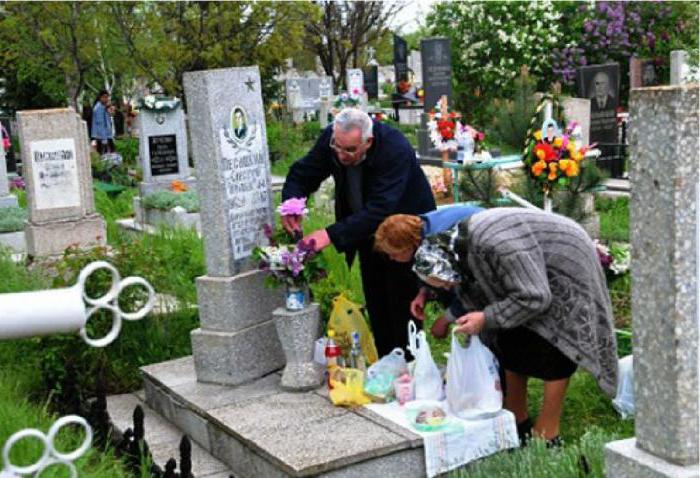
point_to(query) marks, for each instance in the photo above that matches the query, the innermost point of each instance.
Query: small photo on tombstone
(239, 123)
(600, 83)
(650, 76)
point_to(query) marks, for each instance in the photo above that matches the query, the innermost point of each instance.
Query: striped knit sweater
(542, 271)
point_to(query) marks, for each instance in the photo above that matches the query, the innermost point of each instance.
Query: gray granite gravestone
(664, 213)
(163, 149)
(237, 340)
(56, 158)
(679, 67)
(304, 95)
(6, 199)
(437, 70)
(415, 64)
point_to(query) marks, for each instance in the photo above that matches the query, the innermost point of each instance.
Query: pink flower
(293, 207)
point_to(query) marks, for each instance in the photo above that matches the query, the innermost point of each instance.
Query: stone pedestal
(298, 331)
(664, 218)
(53, 237)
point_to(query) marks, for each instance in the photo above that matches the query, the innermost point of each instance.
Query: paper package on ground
(346, 318)
(428, 380)
(473, 384)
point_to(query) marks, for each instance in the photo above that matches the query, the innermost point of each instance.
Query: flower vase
(296, 298)
(298, 331)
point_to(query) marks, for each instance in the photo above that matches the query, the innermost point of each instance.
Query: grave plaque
(355, 82)
(372, 82)
(437, 70)
(400, 59)
(163, 152)
(55, 173)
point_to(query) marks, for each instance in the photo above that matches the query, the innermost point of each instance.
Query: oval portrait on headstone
(239, 123)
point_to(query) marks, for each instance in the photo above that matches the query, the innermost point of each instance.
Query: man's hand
(418, 304)
(440, 328)
(471, 323)
(320, 239)
(291, 224)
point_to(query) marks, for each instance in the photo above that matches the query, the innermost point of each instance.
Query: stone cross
(664, 222)
(237, 340)
(56, 158)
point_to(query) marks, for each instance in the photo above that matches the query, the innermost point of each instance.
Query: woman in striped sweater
(535, 292)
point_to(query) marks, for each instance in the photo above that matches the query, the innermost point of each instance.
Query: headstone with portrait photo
(601, 84)
(437, 71)
(60, 202)
(234, 186)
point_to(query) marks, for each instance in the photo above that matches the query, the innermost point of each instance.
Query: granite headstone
(665, 234)
(56, 158)
(371, 74)
(234, 187)
(415, 64)
(163, 149)
(437, 70)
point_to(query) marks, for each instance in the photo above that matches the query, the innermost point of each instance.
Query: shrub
(12, 219)
(129, 150)
(166, 200)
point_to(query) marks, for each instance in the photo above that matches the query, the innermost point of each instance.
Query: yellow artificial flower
(571, 147)
(558, 142)
(538, 135)
(552, 171)
(540, 154)
(564, 164)
(572, 170)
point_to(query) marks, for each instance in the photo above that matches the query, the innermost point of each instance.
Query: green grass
(17, 413)
(614, 218)
(12, 219)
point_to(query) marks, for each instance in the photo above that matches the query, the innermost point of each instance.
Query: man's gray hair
(352, 118)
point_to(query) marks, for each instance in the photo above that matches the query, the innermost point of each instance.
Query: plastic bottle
(357, 359)
(332, 353)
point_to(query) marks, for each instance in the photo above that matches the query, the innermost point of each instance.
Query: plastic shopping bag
(347, 388)
(624, 398)
(392, 364)
(428, 381)
(473, 384)
(346, 318)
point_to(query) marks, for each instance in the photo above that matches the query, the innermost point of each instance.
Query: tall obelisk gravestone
(237, 340)
(56, 159)
(664, 210)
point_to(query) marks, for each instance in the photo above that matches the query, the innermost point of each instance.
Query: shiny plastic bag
(392, 364)
(346, 318)
(428, 380)
(473, 385)
(624, 398)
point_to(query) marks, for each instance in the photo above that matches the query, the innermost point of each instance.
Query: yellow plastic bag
(346, 318)
(348, 385)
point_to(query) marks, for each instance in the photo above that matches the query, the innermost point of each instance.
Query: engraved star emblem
(249, 84)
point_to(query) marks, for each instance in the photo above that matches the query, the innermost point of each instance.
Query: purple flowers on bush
(18, 183)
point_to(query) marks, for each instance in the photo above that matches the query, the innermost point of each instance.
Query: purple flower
(293, 207)
(18, 183)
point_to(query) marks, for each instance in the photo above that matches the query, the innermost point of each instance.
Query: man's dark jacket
(392, 183)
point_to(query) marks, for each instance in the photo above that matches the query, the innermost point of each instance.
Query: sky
(412, 15)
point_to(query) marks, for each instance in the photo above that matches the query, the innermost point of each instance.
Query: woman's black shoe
(555, 442)
(524, 431)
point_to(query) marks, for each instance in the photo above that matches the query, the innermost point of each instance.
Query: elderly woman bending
(532, 286)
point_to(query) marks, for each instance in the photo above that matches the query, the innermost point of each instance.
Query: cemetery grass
(614, 218)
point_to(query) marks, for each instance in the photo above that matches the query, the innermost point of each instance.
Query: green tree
(166, 39)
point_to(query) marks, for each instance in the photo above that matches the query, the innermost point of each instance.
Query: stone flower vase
(298, 331)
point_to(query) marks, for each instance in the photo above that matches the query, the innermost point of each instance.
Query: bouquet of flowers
(444, 128)
(554, 157)
(345, 100)
(615, 259)
(292, 265)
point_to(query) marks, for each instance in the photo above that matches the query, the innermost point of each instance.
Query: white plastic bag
(393, 363)
(428, 381)
(473, 384)
(624, 398)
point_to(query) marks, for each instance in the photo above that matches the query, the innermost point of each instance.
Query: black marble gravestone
(400, 59)
(163, 154)
(601, 84)
(372, 82)
(437, 70)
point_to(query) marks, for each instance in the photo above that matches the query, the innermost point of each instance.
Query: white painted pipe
(508, 194)
(48, 312)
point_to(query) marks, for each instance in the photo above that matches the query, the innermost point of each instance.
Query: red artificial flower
(547, 151)
(480, 136)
